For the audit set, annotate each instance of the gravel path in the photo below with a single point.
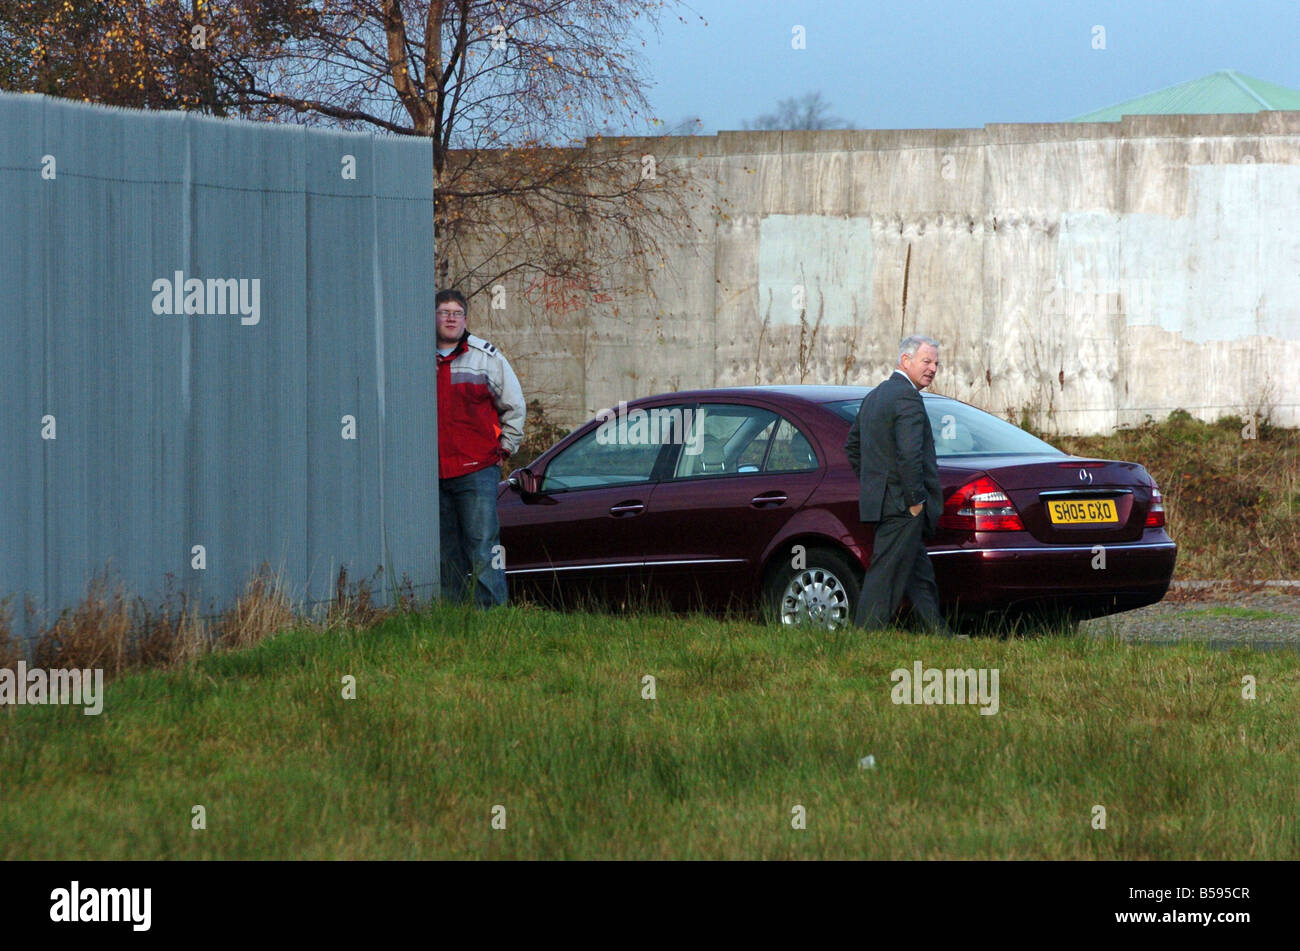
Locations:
(1222, 614)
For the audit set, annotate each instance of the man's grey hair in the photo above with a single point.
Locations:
(909, 345)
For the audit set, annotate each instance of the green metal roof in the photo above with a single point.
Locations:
(1224, 91)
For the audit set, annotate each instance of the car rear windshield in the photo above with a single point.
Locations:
(962, 430)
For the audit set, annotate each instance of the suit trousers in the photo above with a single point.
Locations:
(900, 566)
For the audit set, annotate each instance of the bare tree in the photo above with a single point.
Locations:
(147, 54)
(686, 125)
(505, 91)
(809, 111)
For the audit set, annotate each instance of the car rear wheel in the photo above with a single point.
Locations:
(821, 592)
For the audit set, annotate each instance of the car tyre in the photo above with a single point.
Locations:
(823, 593)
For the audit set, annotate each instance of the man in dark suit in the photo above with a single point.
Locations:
(891, 449)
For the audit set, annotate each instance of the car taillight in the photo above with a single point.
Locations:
(1156, 511)
(980, 506)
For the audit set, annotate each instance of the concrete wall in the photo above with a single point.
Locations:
(1093, 274)
(131, 432)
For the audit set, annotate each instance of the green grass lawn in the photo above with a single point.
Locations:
(458, 712)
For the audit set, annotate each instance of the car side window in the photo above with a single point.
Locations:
(622, 451)
(791, 451)
(725, 439)
(752, 456)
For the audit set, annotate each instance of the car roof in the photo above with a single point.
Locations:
(811, 392)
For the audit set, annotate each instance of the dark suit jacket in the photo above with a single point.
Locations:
(891, 450)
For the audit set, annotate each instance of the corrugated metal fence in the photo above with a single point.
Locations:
(214, 334)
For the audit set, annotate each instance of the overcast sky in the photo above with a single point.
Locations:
(955, 63)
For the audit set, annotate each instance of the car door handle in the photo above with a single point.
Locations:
(626, 508)
(768, 498)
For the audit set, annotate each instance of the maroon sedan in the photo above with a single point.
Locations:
(744, 497)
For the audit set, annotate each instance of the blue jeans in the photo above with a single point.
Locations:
(467, 508)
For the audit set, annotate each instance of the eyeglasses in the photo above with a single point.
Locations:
(450, 313)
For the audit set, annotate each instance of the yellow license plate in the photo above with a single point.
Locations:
(1082, 511)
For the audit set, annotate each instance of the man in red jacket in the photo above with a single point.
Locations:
(480, 423)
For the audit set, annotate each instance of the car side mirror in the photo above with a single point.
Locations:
(524, 481)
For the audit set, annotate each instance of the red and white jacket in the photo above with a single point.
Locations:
(480, 408)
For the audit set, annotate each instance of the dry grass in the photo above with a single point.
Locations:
(112, 631)
(353, 608)
(262, 610)
(94, 634)
(10, 650)
(1232, 504)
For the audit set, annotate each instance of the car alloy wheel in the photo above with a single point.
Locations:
(823, 593)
